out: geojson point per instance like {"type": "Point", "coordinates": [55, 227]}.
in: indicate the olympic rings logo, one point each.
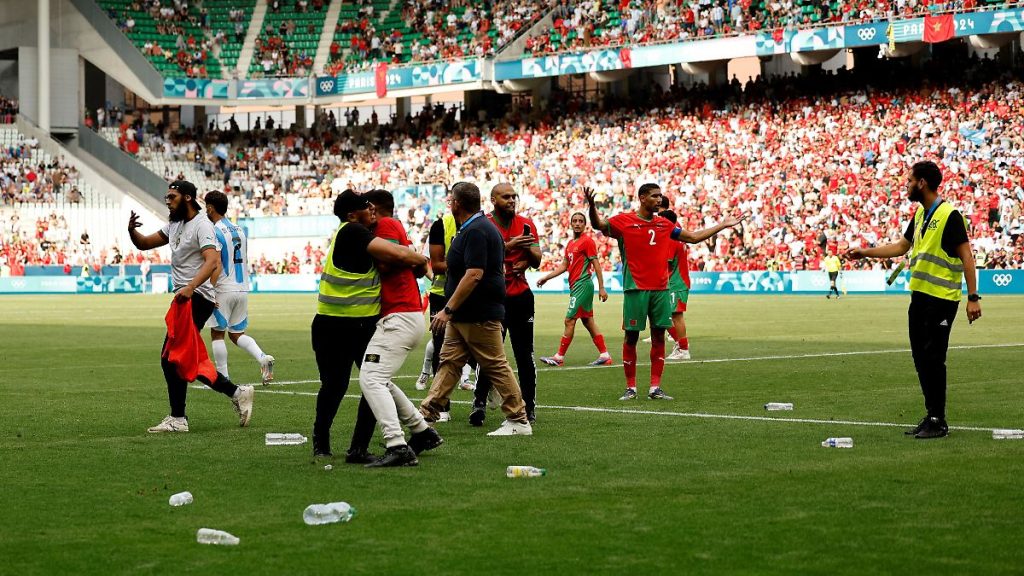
{"type": "Point", "coordinates": [327, 86]}
{"type": "Point", "coordinates": [1002, 280]}
{"type": "Point", "coordinates": [866, 34]}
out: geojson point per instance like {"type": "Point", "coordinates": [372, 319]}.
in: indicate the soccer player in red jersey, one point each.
{"type": "Point", "coordinates": [580, 258]}
{"type": "Point", "coordinates": [522, 251]}
{"type": "Point", "coordinates": [647, 243]}
{"type": "Point", "coordinates": [679, 286]}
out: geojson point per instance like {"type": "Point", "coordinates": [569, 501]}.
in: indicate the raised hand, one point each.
{"type": "Point", "coordinates": [133, 221]}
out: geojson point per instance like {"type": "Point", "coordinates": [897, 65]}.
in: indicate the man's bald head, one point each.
{"type": "Point", "coordinates": [504, 199]}
{"type": "Point", "coordinates": [502, 188]}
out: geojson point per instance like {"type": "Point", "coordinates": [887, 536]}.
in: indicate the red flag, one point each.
{"type": "Point", "coordinates": [626, 57]}
{"type": "Point", "coordinates": [381, 79]}
{"type": "Point", "coordinates": [938, 28]}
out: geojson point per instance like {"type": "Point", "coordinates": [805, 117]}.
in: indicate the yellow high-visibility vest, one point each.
{"type": "Point", "coordinates": [347, 294]}
{"type": "Point", "coordinates": [450, 229]}
{"type": "Point", "coordinates": [932, 271]}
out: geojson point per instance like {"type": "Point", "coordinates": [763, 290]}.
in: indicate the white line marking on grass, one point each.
{"type": "Point", "coordinates": [703, 415]}
{"type": "Point", "coordinates": [709, 361]}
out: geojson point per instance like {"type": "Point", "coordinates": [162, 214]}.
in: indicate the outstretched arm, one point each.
{"type": "Point", "coordinates": [141, 242]}
{"type": "Point", "coordinates": [558, 271]}
{"type": "Point", "coordinates": [898, 248]}
{"type": "Point", "coordinates": [702, 235]}
{"type": "Point", "coordinates": [596, 221]}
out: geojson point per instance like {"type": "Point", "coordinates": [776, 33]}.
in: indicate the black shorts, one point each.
{"type": "Point", "coordinates": [832, 276]}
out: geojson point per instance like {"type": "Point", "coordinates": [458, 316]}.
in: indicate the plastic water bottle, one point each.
{"type": "Point", "coordinates": [1008, 434]}
{"type": "Point", "coordinates": [316, 514]}
{"type": "Point", "coordinates": [180, 499]}
{"type": "Point", "coordinates": [838, 443]}
{"type": "Point", "coordinates": [524, 472]}
{"type": "Point", "coordinates": [211, 536]}
{"type": "Point", "coordinates": [275, 439]}
{"type": "Point", "coordinates": [771, 406]}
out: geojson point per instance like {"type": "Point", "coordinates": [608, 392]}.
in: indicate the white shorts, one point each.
{"type": "Point", "coordinates": [231, 313]}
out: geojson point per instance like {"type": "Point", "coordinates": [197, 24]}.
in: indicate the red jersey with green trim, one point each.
{"type": "Point", "coordinates": [679, 269]}
{"type": "Point", "coordinates": [399, 291]}
{"type": "Point", "coordinates": [580, 255]}
{"type": "Point", "coordinates": [515, 282]}
{"type": "Point", "coordinates": [646, 246]}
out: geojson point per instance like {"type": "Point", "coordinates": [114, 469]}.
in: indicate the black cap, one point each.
{"type": "Point", "coordinates": [348, 201]}
{"type": "Point", "coordinates": [184, 187]}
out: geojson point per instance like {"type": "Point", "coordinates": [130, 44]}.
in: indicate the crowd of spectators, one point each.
{"type": "Point", "coordinates": [195, 43]}
{"type": "Point", "coordinates": [437, 30]}
{"type": "Point", "coordinates": [276, 58]}
{"type": "Point", "coordinates": [27, 177]}
{"type": "Point", "coordinates": [611, 23]}
{"type": "Point", "coordinates": [817, 161]}
{"type": "Point", "coordinates": [8, 110]}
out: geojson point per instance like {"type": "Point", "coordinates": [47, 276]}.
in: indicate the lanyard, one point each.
{"type": "Point", "coordinates": [471, 218]}
{"type": "Point", "coordinates": [928, 215]}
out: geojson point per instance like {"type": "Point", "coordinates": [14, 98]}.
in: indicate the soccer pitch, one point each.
{"type": "Point", "coordinates": [707, 483]}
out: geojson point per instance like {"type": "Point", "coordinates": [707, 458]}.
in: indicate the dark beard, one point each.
{"type": "Point", "coordinates": [178, 215]}
{"type": "Point", "coordinates": [916, 195]}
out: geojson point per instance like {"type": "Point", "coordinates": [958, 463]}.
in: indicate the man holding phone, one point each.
{"type": "Point", "coordinates": [522, 251]}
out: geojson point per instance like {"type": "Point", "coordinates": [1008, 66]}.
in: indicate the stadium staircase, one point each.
{"type": "Point", "coordinates": [305, 40]}
{"type": "Point", "coordinates": [248, 46]}
{"type": "Point", "coordinates": [220, 21]}
{"type": "Point", "coordinates": [323, 50]}
{"type": "Point", "coordinates": [515, 49]}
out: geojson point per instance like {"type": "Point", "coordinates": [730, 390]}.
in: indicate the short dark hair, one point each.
{"type": "Point", "coordinates": [664, 202]}
{"type": "Point", "coordinates": [467, 195]}
{"type": "Point", "coordinates": [575, 214]}
{"type": "Point", "coordinates": [927, 170]}
{"type": "Point", "coordinates": [646, 189]}
{"type": "Point", "coordinates": [381, 198]}
{"type": "Point", "coordinates": [218, 200]}
{"type": "Point", "coordinates": [669, 215]}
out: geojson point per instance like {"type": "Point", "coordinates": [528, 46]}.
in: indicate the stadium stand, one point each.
{"type": "Point", "coordinates": [288, 42]}
{"type": "Point", "coordinates": [762, 149]}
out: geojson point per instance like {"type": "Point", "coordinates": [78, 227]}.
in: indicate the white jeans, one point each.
{"type": "Point", "coordinates": [396, 335]}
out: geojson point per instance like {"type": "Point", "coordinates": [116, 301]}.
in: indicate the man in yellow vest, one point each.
{"type": "Point", "coordinates": [832, 266]}
{"type": "Point", "coordinates": [940, 258]}
{"type": "Point", "coordinates": [347, 310]}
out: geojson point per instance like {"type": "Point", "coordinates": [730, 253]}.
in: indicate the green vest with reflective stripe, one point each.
{"type": "Point", "coordinates": [437, 287]}
{"type": "Point", "coordinates": [932, 271]}
{"type": "Point", "coordinates": [345, 293]}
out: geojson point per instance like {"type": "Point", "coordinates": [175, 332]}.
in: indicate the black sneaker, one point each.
{"type": "Point", "coordinates": [359, 456]}
{"type": "Point", "coordinates": [478, 415]}
{"type": "Point", "coordinates": [933, 428]}
{"type": "Point", "coordinates": [321, 447]}
{"type": "Point", "coordinates": [920, 426]}
{"type": "Point", "coordinates": [429, 439]}
{"type": "Point", "coordinates": [395, 456]}
{"type": "Point", "coordinates": [531, 416]}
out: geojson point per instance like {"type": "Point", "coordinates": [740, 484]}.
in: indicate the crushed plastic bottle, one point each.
{"type": "Point", "coordinates": [772, 406]}
{"type": "Point", "coordinates": [180, 499]}
{"type": "Point", "coordinates": [838, 443]}
{"type": "Point", "coordinates": [277, 439]}
{"type": "Point", "coordinates": [1007, 434]}
{"type": "Point", "coordinates": [219, 537]}
{"type": "Point", "coordinates": [524, 472]}
{"type": "Point", "coordinates": [317, 514]}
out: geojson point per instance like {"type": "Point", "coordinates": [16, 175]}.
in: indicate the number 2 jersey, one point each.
{"type": "Point", "coordinates": [646, 246]}
{"type": "Point", "coordinates": [234, 257]}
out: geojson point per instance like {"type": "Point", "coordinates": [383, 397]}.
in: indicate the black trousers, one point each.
{"type": "Point", "coordinates": [337, 344]}
{"type": "Point", "coordinates": [930, 321]}
{"type": "Point", "coordinates": [177, 387]}
{"type": "Point", "coordinates": [518, 325]}
{"type": "Point", "coordinates": [436, 305]}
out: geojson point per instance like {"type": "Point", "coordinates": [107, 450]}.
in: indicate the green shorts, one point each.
{"type": "Point", "coordinates": [679, 298]}
{"type": "Point", "coordinates": [639, 305]}
{"type": "Point", "coordinates": [581, 301]}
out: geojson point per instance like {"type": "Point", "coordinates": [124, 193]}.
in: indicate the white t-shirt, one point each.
{"type": "Point", "coordinates": [187, 240]}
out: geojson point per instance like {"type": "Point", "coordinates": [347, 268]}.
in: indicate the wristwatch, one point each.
{"type": "Point", "coordinates": [448, 311]}
{"type": "Point", "coordinates": [973, 297]}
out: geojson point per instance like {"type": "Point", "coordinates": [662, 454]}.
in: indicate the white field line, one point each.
{"type": "Point", "coordinates": [703, 415]}
{"type": "Point", "coordinates": [710, 361]}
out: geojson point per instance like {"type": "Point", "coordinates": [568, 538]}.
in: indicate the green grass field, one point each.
{"type": "Point", "coordinates": [645, 487]}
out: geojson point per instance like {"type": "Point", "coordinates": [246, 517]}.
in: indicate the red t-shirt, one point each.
{"type": "Point", "coordinates": [646, 247]}
{"type": "Point", "coordinates": [515, 282]}
{"type": "Point", "coordinates": [683, 263]}
{"type": "Point", "coordinates": [581, 256]}
{"type": "Point", "coordinates": [399, 291]}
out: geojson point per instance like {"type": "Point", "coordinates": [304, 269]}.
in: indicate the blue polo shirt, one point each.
{"type": "Point", "coordinates": [478, 245]}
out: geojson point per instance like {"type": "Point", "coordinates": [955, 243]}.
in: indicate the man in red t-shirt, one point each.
{"type": "Point", "coordinates": [580, 258]}
{"type": "Point", "coordinates": [522, 251]}
{"type": "Point", "coordinates": [398, 331]}
{"type": "Point", "coordinates": [647, 243]}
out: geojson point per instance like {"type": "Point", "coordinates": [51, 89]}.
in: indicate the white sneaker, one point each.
{"type": "Point", "coordinates": [444, 417]}
{"type": "Point", "coordinates": [510, 428]}
{"type": "Point", "coordinates": [421, 382]}
{"type": "Point", "coordinates": [493, 399]}
{"type": "Point", "coordinates": [170, 424]}
{"type": "Point", "coordinates": [678, 354]}
{"type": "Point", "coordinates": [647, 340]}
{"type": "Point", "coordinates": [243, 404]}
{"type": "Point", "coordinates": [467, 385]}
{"type": "Point", "coordinates": [267, 368]}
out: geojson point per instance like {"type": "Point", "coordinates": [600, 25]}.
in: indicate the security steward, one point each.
{"type": "Point", "coordinates": [347, 310]}
{"type": "Point", "coordinates": [940, 259]}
